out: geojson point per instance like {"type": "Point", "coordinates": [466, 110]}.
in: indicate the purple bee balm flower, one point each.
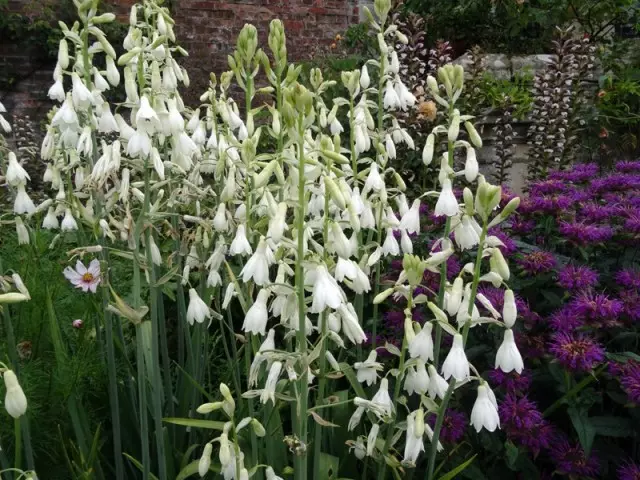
{"type": "Point", "coordinates": [575, 352]}
{"type": "Point", "coordinates": [531, 346]}
{"type": "Point", "coordinates": [537, 262]}
{"type": "Point", "coordinates": [512, 382]}
{"type": "Point", "coordinates": [524, 424]}
{"type": "Point", "coordinates": [597, 308]}
{"type": "Point", "coordinates": [629, 278]}
{"type": "Point", "coordinates": [629, 471]}
{"type": "Point", "coordinates": [577, 277]}
{"type": "Point", "coordinates": [585, 234]}
{"type": "Point", "coordinates": [631, 301]}
{"type": "Point", "coordinates": [521, 226]}
{"type": "Point", "coordinates": [394, 319]}
{"type": "Point", "coordinates": [578, 174]}
{"type": "Point", "coordinates": [518, 412]}
{"type": "Point", "coordinates": [630, 380]}
{"type": "Point", "coordinates": [628, 167]}
{"type": "Point", "coordinates": [632, 224]}
{"type": "Point", "coordinates": [454, 425]}
{"type": "Point", "coordinates": [594, 212]}
{"type": "Point", "coordinates": [565, 320]}
{"type": "Point", "coordinates": [570, 459]}
{"type": "Point", "coordinates": [547, 186]}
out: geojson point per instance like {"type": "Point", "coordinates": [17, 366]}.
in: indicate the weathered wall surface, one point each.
{"type": "Point", "coordinates": [207, 29]}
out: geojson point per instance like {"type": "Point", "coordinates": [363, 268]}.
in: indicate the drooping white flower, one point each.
{"type": "Point", "coordinates": [417, 379]}
{"type": "Point", "coordinates": [15, 174]}
{"type": "Point", "coordinates": [350, 325]}
{"type": "Point", "coordinates": [382, 399]}
{"type": "Point", "coordinates": [197, 311]}
{"type": "Point", "coordinates": [456, 364]}
{"type": "Point", "coordinates": [23, 203]}
{"type": "Point", "coordinates": [68, 222]}
{"type": "Point", "coordinates": [471, 165]}
{"type": "Point", "coordinates": [509, 309]}
{"type": "Point", "coordinates": [411, 219]}
{"type": "Point", "coordinates": [390, 147]}
{"type": "Point", "coordinates": [50, 221]}
{"type": "Point", "coordinates": [484, 413]}
{"type": "Point", "coordinates": [367, 371]}
{"type": "Point", "coordinates": [339, 242]}
{"type": "Point", "coordinates": [406, 98]}
{"type": "Point", "coordinates": [326, 291]}
{"type": "Point", "coordinates": [271, 475]}
{"type": "Point", "coordinates": [437, 385]}
{"type": "Point", "coordinates": [365, 80]}
{"type": "Point", "coordinates": [414, 443]}
{"type": "Point", "coordinates": [80, 94]}
{"type": "Point", "coordinates": [21, 232]}
{"type": "Point", "coordinates": [371, 439]}
{"type": "Point", "coordinates": [56, 91]}
{"type": "Point", "coordinates": [374, 181]}
{"type": "Point", "coordinates": [146, 117]}
{"type": "Point", "coordinates": [257, 267]}
{"type": "Point", "coordinates": [391, 101]}
{"type": "Point", "coordinates": [422, 344]}
{"type": "Point", "coordinates": [405, 242]}
{"type": "Point", "coordinates": [107, 122]}
{"type": "Point", "coordinates": [336, 127]}
{"type": "Point", "coordinates": [454, 298]}
{"type": "Point", "coordinates": [269, 392]}
{"type": "Point", "coordinates": [15, 401]}
{"type": "Point", "coordinates": [257, 316]}
{"type": "Point", "coordinates": [113, 75]}
{"type": "Point", "coordinates": [205, 460]}
{"type": "Point", "coordinates": [465, 234]}
{"type": "Point", "coordinates": [390, 245]}
{"type": "Point", "coordinates": [447, 203]}
{"type": "Point", "coordinates": [508, 357]}
{"type": "Point", "coordinates": [278, 223]}
{"type": "Point", "coordinates": [240, 244]}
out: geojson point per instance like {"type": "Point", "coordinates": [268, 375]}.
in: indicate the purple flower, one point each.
{"type": "Point", "coordinates": [630, 380]}
{"type": "Point", "coordinates": [537, 262]}
{"type": "Point", "coordinates": [454, 425]}
{"type": "Point", "coordinates": [521, 226]}
{"type": "Point", "coordinates": [628, 278]}
{"type": "Point", "coordinates": [512, 382]}
{"type": "Point", "coordinates": [565, 320]}
{"type": "Point", "coordinates": [597, 308]}
{"type": "Point", "coordinates": [632, 224]}
{"type": "Point", "coordinates": [629, 471]}
{"type": "Point", "coordinates": [576, 352]}
{"type": "Point", "coordinates": [394, 319]}
{"type": "Point", "coordinates": [631, 301]}
{"type": "Point", "coordinates": [570, 459]}
{"type": "Point", "coordinates": [594, 212]}
{"type": "Point", "coordinates": [584, 234]}
{"type": "Point", "coordinates": [530, 345]}
{"type": "Point", "coordinates": [524, 424]}
{"type": "Point", "coordinates": [577, 277]}
{"type": "Point", "coordinates": [628, 167]}
{"type": "Point", "coordinates": [547, 186]}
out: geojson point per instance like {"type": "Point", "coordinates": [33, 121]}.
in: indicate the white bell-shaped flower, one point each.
{"type": "Point", "coordinates": [257, 267]}
{"type": "Point", "coordinates": [15, 401]}
{"type": "Point", "coordinates": [50, 221]}
{"type": "Point", "coordinates": [508, 357]}
{"type": "Point", "coordinates": [509, 309]}
{"type": "Point", "coordinates": [15, 174]}
{"type": "Point", "coordinates": [390, 245]}
{"type": "Point", "coordinates": [465, 233]}
{"type": "Point", "coordinates": [437, 385]}
{"type": "Point", "coordinates": [197, 311]}
{"type": "Point", "coordinates": [484, 413]}
{"type": "Point", "coordinates": [456, 364]}
{"type": "Point", "coordinates": [414, 443]}
{"type": "Point", "coordinates": [447, 203]}
{"type": "Point", "coordinates": [411, 219]}
{"type": "Point", "coordinates": [367, 371]}
{"type": "Point", "coordinates": [326, 291]}
{"type": "Point", "coordinates": [422, 344]}
{"type": "Point", "coordinates": [23, 203]}
{"type": "Point", "coordinates": [240, 245]}
{"type": "Point", "coordinates": [382, 399]}
{"type": "Point", "coordinates": [257, 316]}
{"type": "Point", "coordinates": [269, 392]}
{"type": "Point", "coordinates": [350, 325]}
{"type": "Point", "coordinates": [68, 222]}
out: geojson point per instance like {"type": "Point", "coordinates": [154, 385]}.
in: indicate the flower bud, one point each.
{"type": "Point", "coordinates": [467, 196]}
{"type": "Point", "coordinates": [258, 428]}
{"type": "Point", "coordinates": [509, 309]}
{"type": "Point", "coordinates": [209, 407]}
{"type": "Point", "coordinates": [454, 128]}
{"type": "Point", "coordinates": [473, 135]}
{"type": "Point", "coordinates": [427, 152]}
{"type": "Point", "coordinates": [13, 297]}
{"type": "Point", "coordinates": [63, 54]}
{"type": "Point", "coordinates": [432, 83]}
{"type": "Point", "coordinates": [205, 460]}
{"type": "Point", "coordinates": [419, 423]}
{"type": "Point", "coordinates": [15, 401]}
{"type": "Point", "coordinates": [225, 451]}
{"type": "Point", "coordinates": [499, 264]}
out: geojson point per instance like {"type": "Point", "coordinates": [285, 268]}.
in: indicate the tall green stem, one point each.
{"type": "Point", "coordinates": [301, 336]}
{"type": "Point", "coordinates": [396, 393]}
{"type": "Point", "coordinates": [323, 348]}
{"type": "Point", "coordinates": [18, 443]}
{"type": "Point", "coordinates": [114, 400]}
{"type": "Point", "coordinates": [465, 332]}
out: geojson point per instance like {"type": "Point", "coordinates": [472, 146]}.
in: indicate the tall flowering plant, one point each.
{"type": "Point", "coordinates": [276, 253]}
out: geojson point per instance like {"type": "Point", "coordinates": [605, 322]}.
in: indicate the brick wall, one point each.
{"type": "Point", "coordinates": [207, 29]}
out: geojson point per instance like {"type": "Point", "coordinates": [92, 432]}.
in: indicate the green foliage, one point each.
{"type": "Point", "coordinates": [512, 26]}
{"type": "Point", "coordinates": [616, 123]}
{"type": "Point", "coordinates": [494, 92]}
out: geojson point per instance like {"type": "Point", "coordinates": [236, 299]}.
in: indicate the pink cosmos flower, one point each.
{"type": "Point", "coordinates": [83, 277]}
{"type": "Point", "coordinates": [77, 323]}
